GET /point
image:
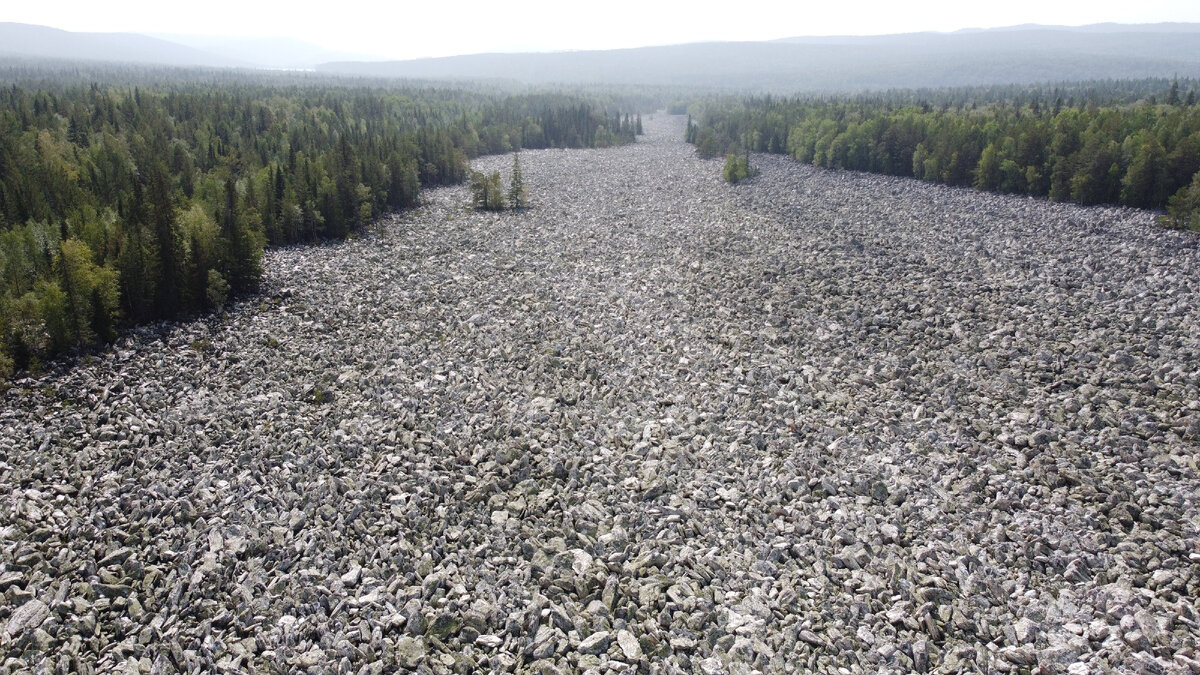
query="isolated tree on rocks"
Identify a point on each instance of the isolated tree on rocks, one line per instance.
(487, 191)
(737, 168)
(518, 196)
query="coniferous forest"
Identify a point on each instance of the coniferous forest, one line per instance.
(136, 195)
(1133, 143)
(146, 196)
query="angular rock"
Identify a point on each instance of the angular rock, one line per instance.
(596, 643)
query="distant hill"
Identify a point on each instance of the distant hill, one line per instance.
(1012, 55)
(29, 41)
(1020, 54)
(265, 52)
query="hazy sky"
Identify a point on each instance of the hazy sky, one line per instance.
(407, 29)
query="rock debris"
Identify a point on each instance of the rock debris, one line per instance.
(818, 422)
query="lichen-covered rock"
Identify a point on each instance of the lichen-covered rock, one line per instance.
(26, 618)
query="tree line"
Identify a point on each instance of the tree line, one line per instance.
(1099, 143)
(128, 203)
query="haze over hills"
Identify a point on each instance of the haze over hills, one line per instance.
(42, 42)
(215, 51)
(1022, 54)
(1013, 55)
(269, 52)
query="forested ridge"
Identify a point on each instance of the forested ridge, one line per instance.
(152, 197)
(843, 64)
(1134, 143)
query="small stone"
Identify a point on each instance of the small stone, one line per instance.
(117, 557)
(879, 491)
(935, 595)
(113, 590)
(489, 641)
(609, 595)
(542, 403)
(581, 561)
(309, 659)
(920, 655)
(811, 638)
(1026, 630)
(629, 645)
(1041, 437)
(596, 643)
(545, 642)
(351, 578)
(444, 626)
(1019, 656)
(1137, 641)
(410, 651)
(134, 609)
(27, 617)
(9, 579)
(681, 643)
(86, 625)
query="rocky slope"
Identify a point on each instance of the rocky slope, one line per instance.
(816, 422)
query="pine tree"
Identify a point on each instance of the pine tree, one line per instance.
(168, 294)
(518, 197)
(487, 191)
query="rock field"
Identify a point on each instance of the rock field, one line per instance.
(818, 422)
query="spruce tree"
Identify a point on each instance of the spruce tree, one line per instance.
(518, 197)
(487, 191)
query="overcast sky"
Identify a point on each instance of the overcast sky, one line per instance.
(407, 29)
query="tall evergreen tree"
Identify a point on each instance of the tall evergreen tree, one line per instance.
(487, 191)
(168, 292)
(518, 196)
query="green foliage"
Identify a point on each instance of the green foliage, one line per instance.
(1101, 145)
(736, 169)
(91, 297)
(24, 327)
(518, 196)
(216, 290)
(142, 195)
(55, 315)
(487, 191)
(707, 144)
(1183, 209)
